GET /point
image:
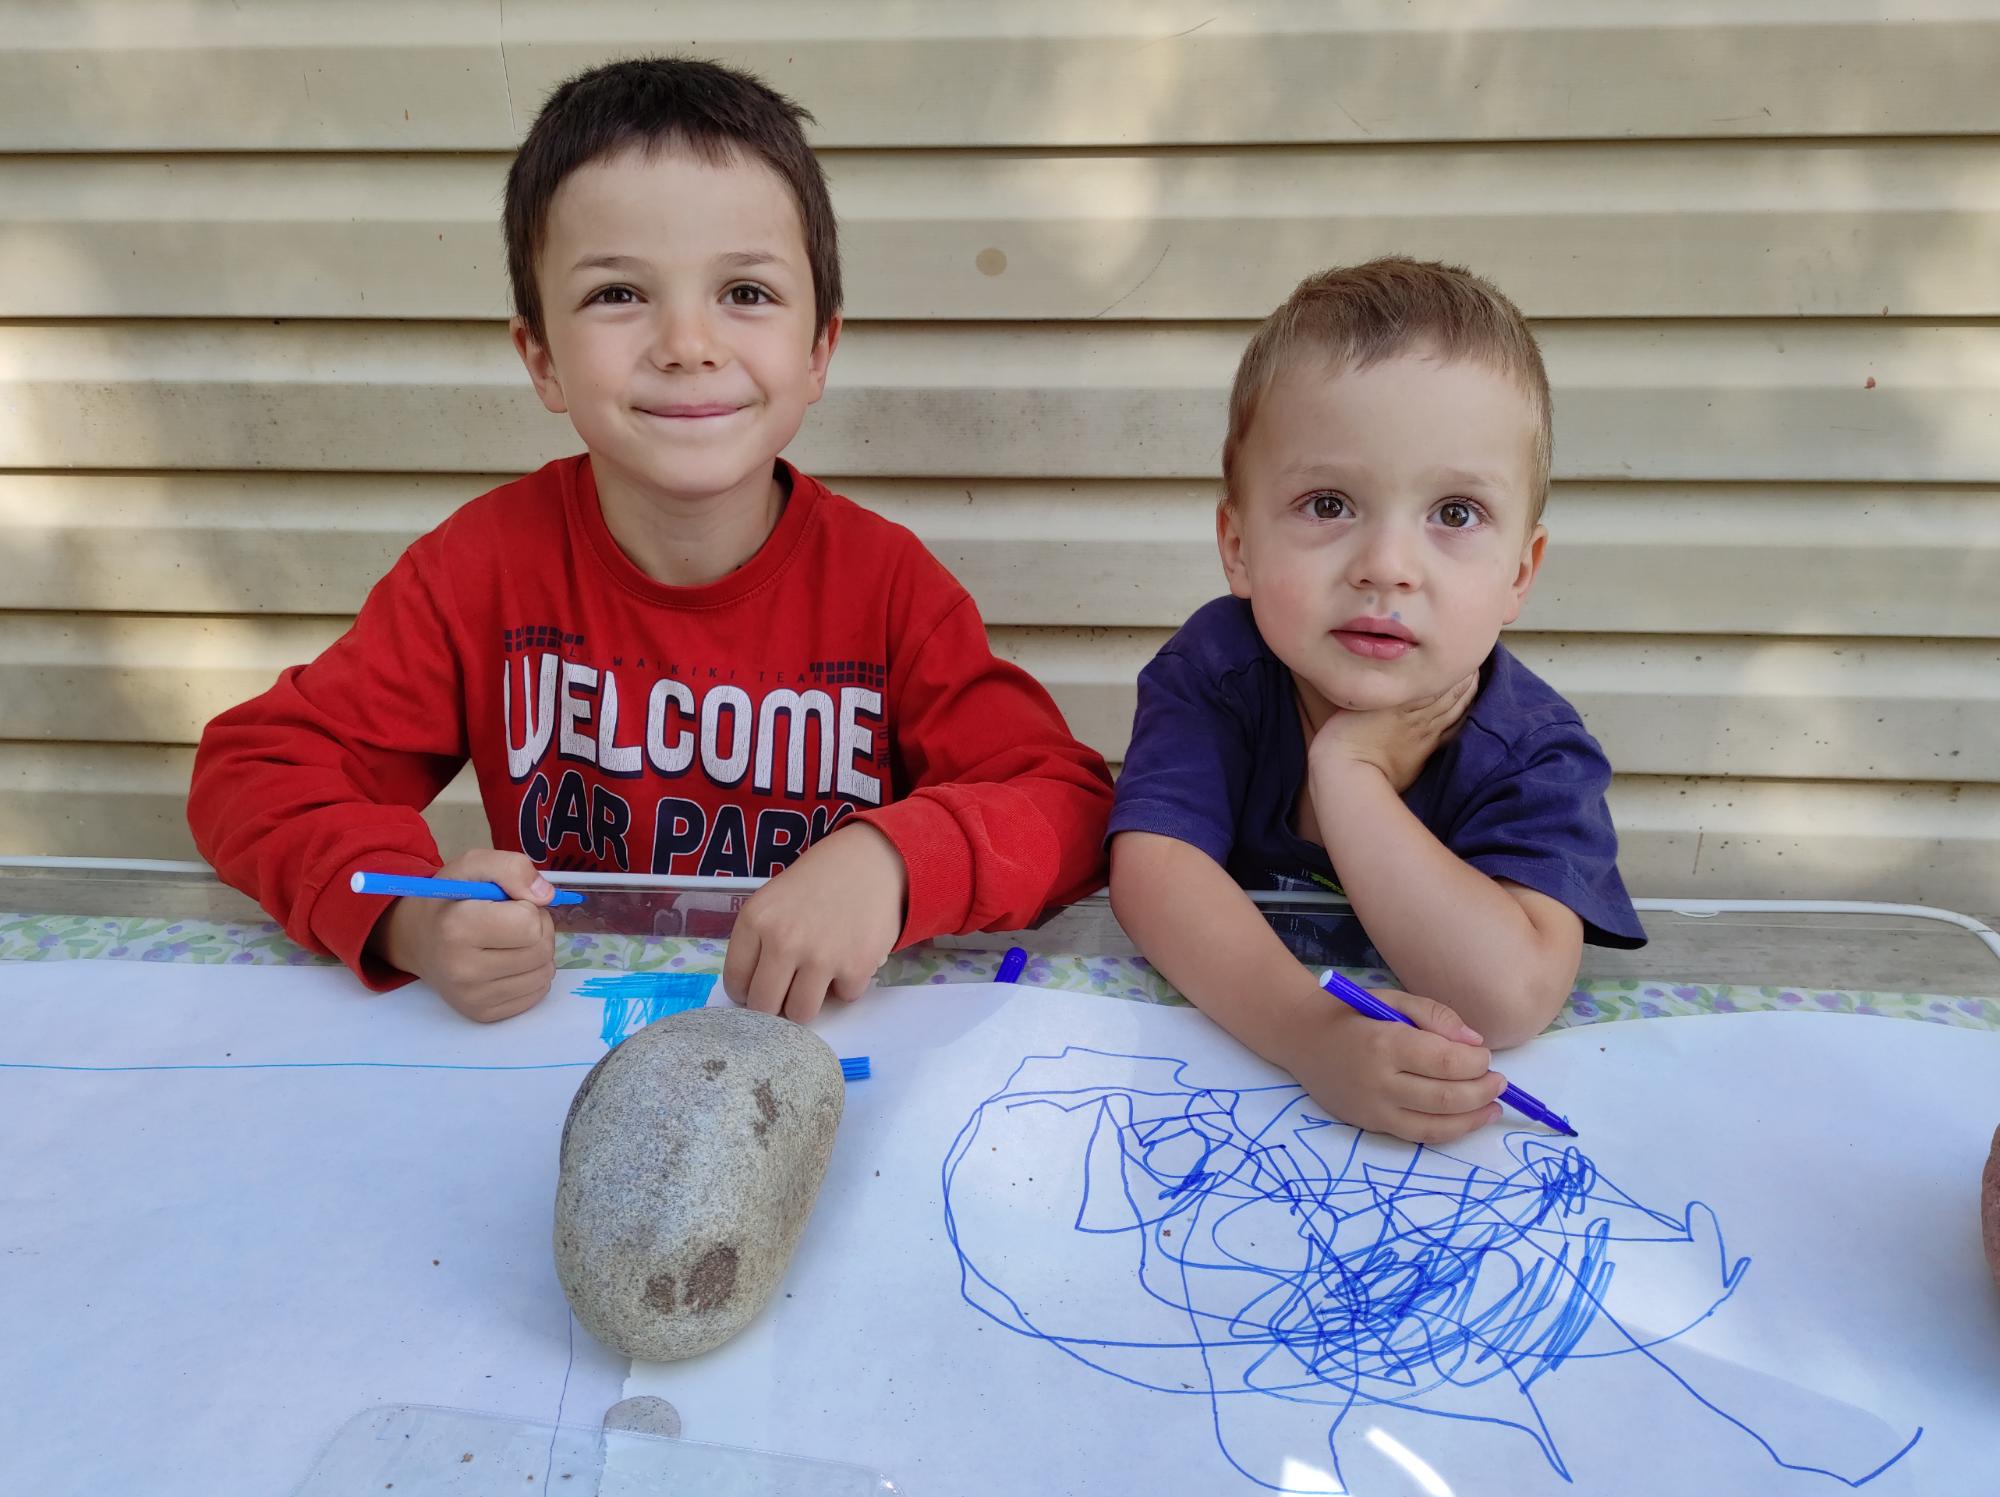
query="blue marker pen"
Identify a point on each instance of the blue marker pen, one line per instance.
(1012, 965)
(403, 886)
(1361, 1000)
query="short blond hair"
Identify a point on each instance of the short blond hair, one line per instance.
(1354, 316)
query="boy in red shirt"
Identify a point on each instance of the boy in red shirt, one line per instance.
(674, 653)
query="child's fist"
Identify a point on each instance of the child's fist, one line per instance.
(1395, 740)
(486, 959)
(823, 925)
(1429, 1085)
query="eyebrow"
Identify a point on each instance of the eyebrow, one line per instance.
(1336, 472)
(1467, 476)
(735, 260)
(607, 262)
(1329, 468)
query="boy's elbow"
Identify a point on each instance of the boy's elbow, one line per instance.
(1525, 989)
(1513, 1013)
(1511, 1031)
(210, 783)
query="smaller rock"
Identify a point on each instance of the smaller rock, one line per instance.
(1989, 1207)
(644, 1415)
(691, 1158)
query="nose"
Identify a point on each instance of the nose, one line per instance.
(684, 338)
(1384, 558)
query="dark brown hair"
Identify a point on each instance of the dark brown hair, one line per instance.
(718, 113)
(1357, 315)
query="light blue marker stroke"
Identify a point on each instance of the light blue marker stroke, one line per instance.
(632, 1000)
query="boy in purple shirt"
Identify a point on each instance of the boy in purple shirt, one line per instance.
(1348, 719)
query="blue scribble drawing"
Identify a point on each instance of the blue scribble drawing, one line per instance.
(632, 1000)
(1279, 1263)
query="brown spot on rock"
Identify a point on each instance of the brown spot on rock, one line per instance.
(714, 1068)
(713, 1280)
(767, 1104)
(660, 1293)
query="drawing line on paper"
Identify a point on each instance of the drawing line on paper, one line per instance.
(306, 1065)
(1281, 1257)
(631, 1000)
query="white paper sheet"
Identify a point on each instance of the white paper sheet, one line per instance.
(1757, 1271)
(204, 1272)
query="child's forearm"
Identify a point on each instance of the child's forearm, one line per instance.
(1429, 1082)
(1446, 929)
(1193, 923)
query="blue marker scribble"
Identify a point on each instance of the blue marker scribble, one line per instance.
(1276, 1263)
(632, 1000)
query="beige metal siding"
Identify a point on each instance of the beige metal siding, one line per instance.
(1707, 229)
(107, 75)
(1714, 401)
(250, 345)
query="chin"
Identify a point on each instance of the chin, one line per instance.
(1380, 699)
(1373, 693)
(705, 480)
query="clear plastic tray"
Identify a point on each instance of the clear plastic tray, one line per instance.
(414, 1451)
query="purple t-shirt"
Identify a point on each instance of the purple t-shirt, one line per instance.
(1218, 756)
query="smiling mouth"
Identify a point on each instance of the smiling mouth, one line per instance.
(704, 412)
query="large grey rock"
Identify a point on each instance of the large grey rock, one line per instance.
(690, 1161)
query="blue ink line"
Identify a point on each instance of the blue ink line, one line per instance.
(1271, 1260)
(308, 1065)
(562, 1400)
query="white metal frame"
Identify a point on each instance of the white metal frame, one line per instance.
(1697, 909)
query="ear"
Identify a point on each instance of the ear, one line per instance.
(822, 356)
(1229, 541)
(1524, 579)
(541, 368)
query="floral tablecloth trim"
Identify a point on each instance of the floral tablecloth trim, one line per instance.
(84, 938)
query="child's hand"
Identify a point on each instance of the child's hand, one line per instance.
(486, 959)
(1395, 740)
(825, 924)
(1429, 1085)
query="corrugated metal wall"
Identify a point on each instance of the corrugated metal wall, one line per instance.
(251, 342)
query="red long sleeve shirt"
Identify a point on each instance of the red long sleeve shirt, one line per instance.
(618, 724)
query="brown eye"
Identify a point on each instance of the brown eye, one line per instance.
(1456, 514)
(1328, 506)
(748, 296)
